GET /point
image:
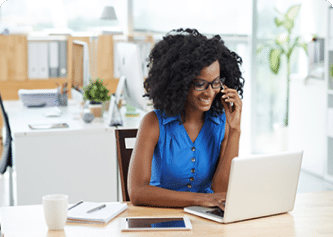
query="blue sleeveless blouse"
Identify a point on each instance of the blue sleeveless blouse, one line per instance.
(181, 165)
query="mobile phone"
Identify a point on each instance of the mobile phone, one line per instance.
(220, 94)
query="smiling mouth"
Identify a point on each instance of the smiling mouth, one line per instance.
(206, 101)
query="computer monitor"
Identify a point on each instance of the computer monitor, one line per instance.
(130, 66)
(81, 74)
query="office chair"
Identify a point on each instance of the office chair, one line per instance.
(124, 156)
(6, 162)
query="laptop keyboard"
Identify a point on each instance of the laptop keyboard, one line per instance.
(217, 212)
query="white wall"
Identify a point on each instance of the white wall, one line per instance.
(314, 18)
(307, 130)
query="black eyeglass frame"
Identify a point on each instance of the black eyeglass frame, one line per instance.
(222, 80)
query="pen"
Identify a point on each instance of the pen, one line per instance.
(75, 205)
(96, 208)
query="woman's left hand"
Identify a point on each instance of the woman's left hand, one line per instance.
(233, 107)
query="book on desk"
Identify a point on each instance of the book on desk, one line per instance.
(95, 212)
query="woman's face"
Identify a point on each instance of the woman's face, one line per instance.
(202, 100)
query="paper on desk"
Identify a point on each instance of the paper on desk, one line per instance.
(48, 126)
(104, 215)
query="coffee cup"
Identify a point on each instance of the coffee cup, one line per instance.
(55, 210)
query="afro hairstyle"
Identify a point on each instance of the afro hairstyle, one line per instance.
(178, 59)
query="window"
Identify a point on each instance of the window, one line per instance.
(208, 16)
(38, 15)
(269, 90)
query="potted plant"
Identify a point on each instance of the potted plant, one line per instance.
(283, 46)
(96, 93)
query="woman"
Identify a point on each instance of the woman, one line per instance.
(184, 147)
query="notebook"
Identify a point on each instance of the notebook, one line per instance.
(259, 186)
(100, 214)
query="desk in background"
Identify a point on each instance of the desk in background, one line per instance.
(79, 161)
(312, 216)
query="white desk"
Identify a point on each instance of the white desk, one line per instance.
(79, 161)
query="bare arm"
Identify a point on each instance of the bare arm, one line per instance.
(230, 144)
(139, 188)
(229, 150)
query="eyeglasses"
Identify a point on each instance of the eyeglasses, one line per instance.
(201, 85)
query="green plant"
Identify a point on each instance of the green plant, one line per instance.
(96, 91)
(284, 45)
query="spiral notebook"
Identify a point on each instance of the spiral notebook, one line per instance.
(101, 212)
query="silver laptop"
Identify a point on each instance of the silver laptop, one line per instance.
(259, 185)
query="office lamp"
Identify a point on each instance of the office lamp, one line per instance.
(109, 13)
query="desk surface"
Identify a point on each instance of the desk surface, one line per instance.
(20, 117)
(312, 216)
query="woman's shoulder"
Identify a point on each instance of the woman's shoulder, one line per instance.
(151, 118)
(149, 127)
(156, 116)
(159, 118)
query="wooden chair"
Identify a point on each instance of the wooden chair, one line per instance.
(124, 156)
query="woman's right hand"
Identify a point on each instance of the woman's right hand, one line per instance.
(212, 200)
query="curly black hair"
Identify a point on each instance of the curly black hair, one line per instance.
(179, 58)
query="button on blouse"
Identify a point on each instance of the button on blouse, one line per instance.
(177, 160)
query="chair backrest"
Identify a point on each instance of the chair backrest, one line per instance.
(6, 158)
(124, 156)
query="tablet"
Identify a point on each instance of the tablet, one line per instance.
(155, 223)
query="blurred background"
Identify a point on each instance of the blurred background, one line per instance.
(245, 26)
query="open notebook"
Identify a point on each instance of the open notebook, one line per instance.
(79, 213)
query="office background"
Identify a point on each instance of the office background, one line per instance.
(243, 25)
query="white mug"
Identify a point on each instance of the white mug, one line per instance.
(55, 210)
